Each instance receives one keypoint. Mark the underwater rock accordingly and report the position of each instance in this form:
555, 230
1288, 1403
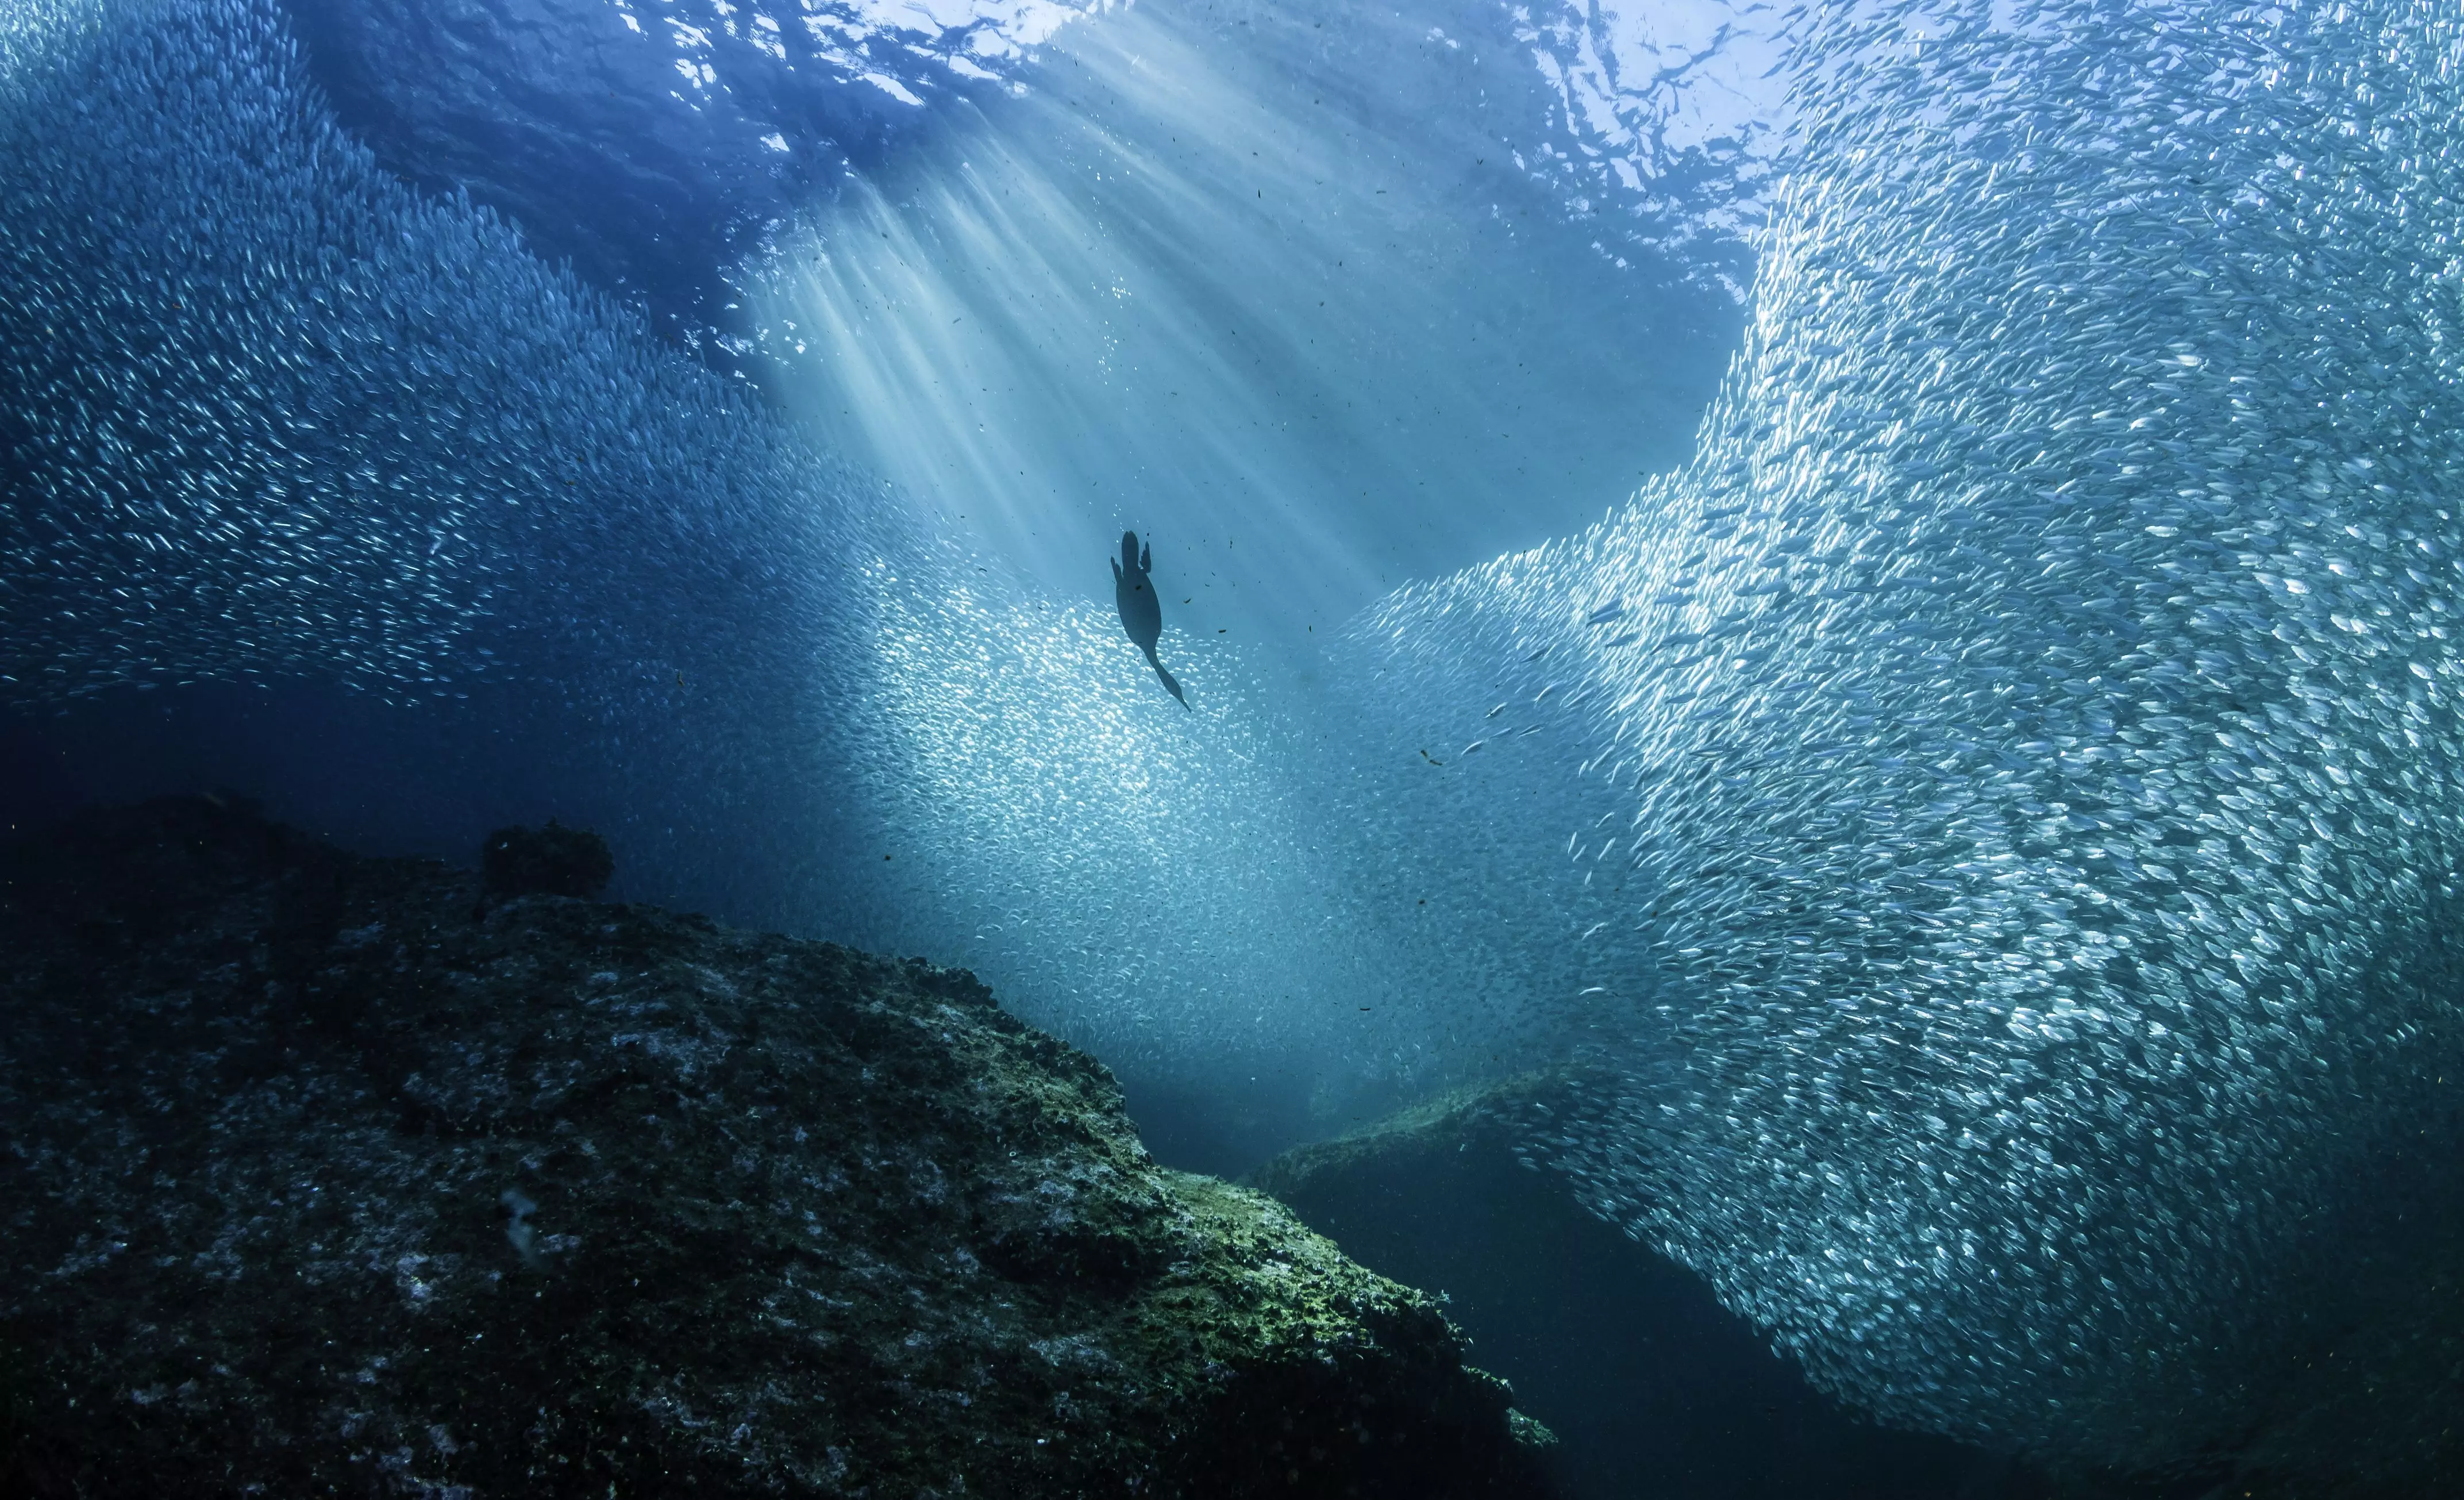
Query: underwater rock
320, 1176
1652, 1387
550, 860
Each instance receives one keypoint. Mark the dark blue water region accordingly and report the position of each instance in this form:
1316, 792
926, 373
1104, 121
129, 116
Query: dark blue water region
426, 778
558, 115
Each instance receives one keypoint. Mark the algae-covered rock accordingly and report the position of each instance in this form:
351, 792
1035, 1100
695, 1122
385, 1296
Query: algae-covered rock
320, 1175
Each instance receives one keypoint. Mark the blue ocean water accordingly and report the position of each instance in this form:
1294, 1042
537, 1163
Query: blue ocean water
1878, 575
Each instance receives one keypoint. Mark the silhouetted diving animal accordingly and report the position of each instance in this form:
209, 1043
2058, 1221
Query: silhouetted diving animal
1141, 611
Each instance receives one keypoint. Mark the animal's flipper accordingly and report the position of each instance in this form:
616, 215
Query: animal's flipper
1168, 685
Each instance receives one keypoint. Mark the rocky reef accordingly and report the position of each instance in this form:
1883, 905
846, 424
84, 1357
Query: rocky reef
321, 1173
1653, 1386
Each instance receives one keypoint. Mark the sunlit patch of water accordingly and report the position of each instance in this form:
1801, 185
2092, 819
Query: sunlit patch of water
1286, 289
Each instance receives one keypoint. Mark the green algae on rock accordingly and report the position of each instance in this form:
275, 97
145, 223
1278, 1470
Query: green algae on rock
318, 1173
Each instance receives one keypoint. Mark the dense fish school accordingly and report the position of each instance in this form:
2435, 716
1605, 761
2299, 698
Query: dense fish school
270, 411
1998, 804
2032, 718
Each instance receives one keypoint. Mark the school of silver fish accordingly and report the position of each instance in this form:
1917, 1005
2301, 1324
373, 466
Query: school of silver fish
1997, 803
2028, 728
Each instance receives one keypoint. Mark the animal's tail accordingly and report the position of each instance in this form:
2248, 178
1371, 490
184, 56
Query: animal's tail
1168, 685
